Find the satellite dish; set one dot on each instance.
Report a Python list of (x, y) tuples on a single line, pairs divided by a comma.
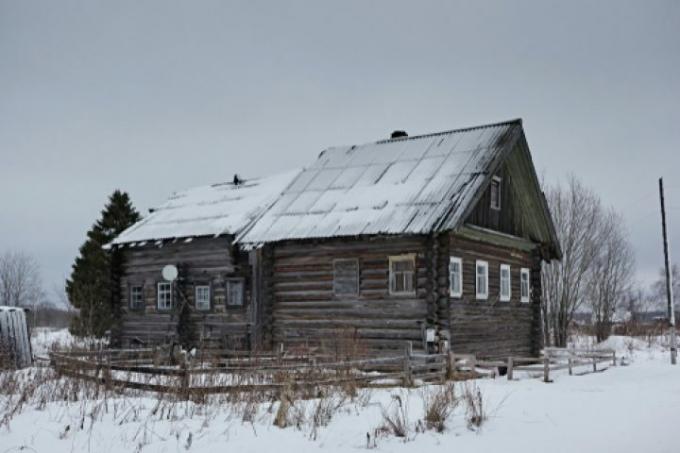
[(169, 273)]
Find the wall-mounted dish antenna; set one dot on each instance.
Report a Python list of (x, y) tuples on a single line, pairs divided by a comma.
[(169, 273)]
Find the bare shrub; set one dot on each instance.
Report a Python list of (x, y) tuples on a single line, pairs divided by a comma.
[(475, 411), (438, 405), (286, 401), (395, 418)]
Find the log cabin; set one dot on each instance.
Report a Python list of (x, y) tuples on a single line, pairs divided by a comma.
[(435, 239)]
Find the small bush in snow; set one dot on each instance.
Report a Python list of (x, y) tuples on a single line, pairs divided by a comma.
[(475, 411), (395, 418), (438, 406)]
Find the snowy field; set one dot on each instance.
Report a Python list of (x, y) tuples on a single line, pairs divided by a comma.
[(629, 408)]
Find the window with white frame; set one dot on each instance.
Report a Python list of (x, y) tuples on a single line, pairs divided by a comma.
[(455, 276), (136, 297), (235, 293), (346, 277), (525, 284), (164, 296), (402, 274), (505, 283), (495, 193), (482, 279), (202, 294)]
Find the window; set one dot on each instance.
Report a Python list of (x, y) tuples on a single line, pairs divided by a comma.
[(505, 283), (455, 276), (164, 296), (495, 192), (402, 274), (525, 284), (234, 293), (136, 297), (202, 295), (345, 277), (482, 279)]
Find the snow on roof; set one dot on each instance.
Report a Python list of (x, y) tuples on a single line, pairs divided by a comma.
[(403, 185), (211, 210)]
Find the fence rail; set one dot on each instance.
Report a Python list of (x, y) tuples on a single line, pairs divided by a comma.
[(220, 371)]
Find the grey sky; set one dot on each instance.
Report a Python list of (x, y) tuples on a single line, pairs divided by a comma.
[(153, 96)]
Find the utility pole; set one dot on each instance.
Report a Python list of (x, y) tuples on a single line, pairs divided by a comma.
[(669, 277)]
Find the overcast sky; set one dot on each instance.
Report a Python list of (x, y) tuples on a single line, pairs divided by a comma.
[(154, 96)]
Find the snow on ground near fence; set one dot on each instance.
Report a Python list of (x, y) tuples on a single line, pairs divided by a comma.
[(625, 409), (44, 338)]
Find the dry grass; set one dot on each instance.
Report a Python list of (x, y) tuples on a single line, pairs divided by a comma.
[(395, 418), (438, 405), (475, 410)]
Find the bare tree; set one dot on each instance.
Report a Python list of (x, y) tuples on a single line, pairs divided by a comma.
[(578, 214), (610, 276), (638, 302), (659, 288), (20, 280)]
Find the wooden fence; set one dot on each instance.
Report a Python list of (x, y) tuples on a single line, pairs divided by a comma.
[(220, 371)]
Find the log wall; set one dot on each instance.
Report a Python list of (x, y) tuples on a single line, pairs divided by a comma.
[(203, 261), (490, 327), (302, 309)]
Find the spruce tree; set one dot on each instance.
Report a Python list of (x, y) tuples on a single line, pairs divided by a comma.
[(94, 285)]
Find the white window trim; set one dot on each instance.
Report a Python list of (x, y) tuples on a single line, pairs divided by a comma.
[(158, 296), (505, 297), (459, 261), (405, 257), (499, 180), (130, 304), (482, 295), (527, 272), (196, 290)]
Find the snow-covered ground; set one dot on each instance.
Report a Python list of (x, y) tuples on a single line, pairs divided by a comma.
[(629, 408)]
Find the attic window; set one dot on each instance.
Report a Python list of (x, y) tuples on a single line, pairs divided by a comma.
[(495, 192)]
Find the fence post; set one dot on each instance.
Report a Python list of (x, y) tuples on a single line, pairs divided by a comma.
[(614, 358), (408, 378), (546, 366), (510, 367), (594, 364), (473, 365), (451, 365), (570, 365)]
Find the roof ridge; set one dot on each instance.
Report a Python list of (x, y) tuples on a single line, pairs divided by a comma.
[(517, 121)]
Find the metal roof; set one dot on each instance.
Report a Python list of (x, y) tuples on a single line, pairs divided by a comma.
[(403, 185), (211, 210)]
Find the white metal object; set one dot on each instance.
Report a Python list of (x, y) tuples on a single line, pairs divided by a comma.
[(15, 344), (429, 335), (170, 273)]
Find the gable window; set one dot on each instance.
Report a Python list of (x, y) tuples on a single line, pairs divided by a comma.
[(346, 277), (402, 274), (524, 284), (202, 294), (482, 279), (505, 283), (136, 297), (235, 293), (495, 193), (455, 276), (164, 295)]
